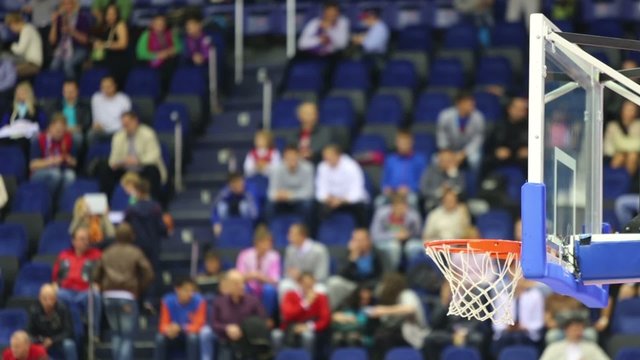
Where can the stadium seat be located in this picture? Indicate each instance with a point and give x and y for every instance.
(48, 84)
(55, 238)
(337, 111)
(189, 80)
(368, 143)
(79, 188)
(90, 80)
(258, 185)
(519, 352)
(626, 317)
(415, 38)
(505, 35)
(279, 226)
(143, 82)
(351, 353)
(489, 105)
(399, 73)
(460, 353)
(33, 198)
(352, 79)
(494, 71)
(9, 267)
(336, 229)
(514, 180)
(293, 354)
(13, 162)
(162, 118)
(306, 76)
(495, 224)
(13, 241)
(425, 144)
(30, 278)
(119, 199)
(33, 225)
(606, 27)
(628, 354)
(428, 108)
(11, 320)
(284, 114)
(615, 182)
(236, 233)
(403, 353)
(446, 74)
(96, 152)
(461, 42)
(384, 109)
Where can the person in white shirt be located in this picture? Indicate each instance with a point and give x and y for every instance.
(574, 346)
(340, 185)
(107, 107)
(327, 34)
(375, 40)
(28, 49)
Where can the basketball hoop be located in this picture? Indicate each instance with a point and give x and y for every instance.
(483, 275)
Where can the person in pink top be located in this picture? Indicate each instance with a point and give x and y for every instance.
(260, 266)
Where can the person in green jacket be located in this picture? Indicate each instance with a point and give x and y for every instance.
(159, 46)
(98, 8)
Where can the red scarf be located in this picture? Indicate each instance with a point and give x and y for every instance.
(264, 156)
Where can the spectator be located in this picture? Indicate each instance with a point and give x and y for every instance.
(574, 346)
(183, 318)
(327, 34)
(53, 156)
(4, 196)
(129, 182)
(107, 107)
(111, 44)
(198, 44)
(450, 220)
(395, 229)
(135, 147)
(263, 157)
(28, 49)
(402, 170)
(564, 10)
(209, 279)
(363, 267)
(40, 11)
(23, 349)
(98, 7)
(50, 325)
(233, 313)
(159, 45)
(374, 41)
(122, 275)
(99, 226)
(69, 35)
(444, 175)
(461, 129)
(260, 266)
(233, 201)
(291, 186)
(621, 144)
(24, 107)
(518, 10)
(556, 308)
(303, 255)
(306, 316)
(72, 273)
(351, 326)
(311, 138)
(340, 185)
(508, 143)
(76, 111)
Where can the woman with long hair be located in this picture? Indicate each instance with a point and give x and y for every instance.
(110, 45)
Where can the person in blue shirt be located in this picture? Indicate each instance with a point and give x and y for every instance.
(233, 201)
(376, 38)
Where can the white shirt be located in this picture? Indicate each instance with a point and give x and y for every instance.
(107, 111)
(530, 316)
(344, 181)
(310, 38)
(376, 39)
(29, 45)
(250, 162)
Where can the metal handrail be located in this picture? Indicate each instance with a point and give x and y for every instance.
(239, 41)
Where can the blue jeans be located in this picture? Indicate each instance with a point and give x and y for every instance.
(66, 350)
(80, 300)
(122, 316)
(55, 178)
(69, 65)
(626, 208)
(197, 344)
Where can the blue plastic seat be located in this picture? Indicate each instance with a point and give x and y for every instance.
(143, 82)
(461, 37)
(514, 178)
(189, 81)
(284, 114)
(337, 110)
(119, 199)
(33, 197)
(429, 107)
(519, 352)
(352, 75)
(89, 83)
(48, 84)
(403, 353)
(350, 353)
(293, 354)
(79, 188)
(13, 241)
(607, 27)
(97, 151)
(162, 122)
(509, 35)
(236, 233)
(414, 38)
(13, 162)
(626, 317)
(30, 279)
(336, 229)
(460, 353)
(306, 76)
(628, 354)
(11, 320)
(367, 143)
(615, 182)
(279, 227)
(489, 105)
(426, 145)
(55, 238)
(384, 109)
(399, 73)
(447, 73)
(494, 71)
(495, 224)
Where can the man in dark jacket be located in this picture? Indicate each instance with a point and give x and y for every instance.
(75, 110)
(508, 144)
(50, 325)
(311, 138)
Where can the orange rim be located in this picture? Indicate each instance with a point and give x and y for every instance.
(498, 249)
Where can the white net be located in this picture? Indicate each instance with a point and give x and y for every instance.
(482, 283)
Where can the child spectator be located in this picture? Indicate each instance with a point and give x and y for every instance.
(69, 35)
(22, 348)
(351, 326)
(209, 279)
(402, 170)
(263, 157)
(233, 201)
(99, 226)
(50, 325)
(198, 44)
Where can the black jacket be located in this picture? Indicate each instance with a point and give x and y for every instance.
(57, 325)
(350, 270)
(83, 114)
(145, 216)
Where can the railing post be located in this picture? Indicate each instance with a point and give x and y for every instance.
(213, 80)
(267, 97)
(177, 150)
(239, 41)
(90, 321)
(291, 28)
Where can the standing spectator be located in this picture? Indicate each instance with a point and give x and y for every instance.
(50, 325)
(291, 186)
(107, 107)
(461, 129)
(40, 11)
(159, 45)
(99, 226)
(518, 10)
(69, 35)
(28, 49)
(71, 273)
(450, 220)
(53, 156)
(23, 349)
(305, 316)
(198, 44)
(327, 34)
(233, 201)
(574, 346)
(622, 139)
(76, 111)
(440, 177)
(98, 7)
(402, 170)
(111, 44)
(183, 318)
(24, 107)
(508, 143)
(303, 254)
(395, 229)
(340, 185)
(375, 40)
(122, 275)
(263, 157)
(260, 266)
(311, 138)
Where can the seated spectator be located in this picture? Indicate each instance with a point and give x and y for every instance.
(53, 156)
(375, 39)
(22, 348)
(260, 266)
(76, 111)
(99, 226)
(574, 346)
(4, 196)
(107, 107)
(209, 279)
(291, 186)
(461, 128)
(351, 326)
(111, 44)
(159, 46)
(306, 315)
(72, 273)
(395, 229)
(303, 254)
(233, 313)
(28, 49)
(555, 310)
(50, 325)
(183, 317)
(198, 43)
(363, 267)
(402, 170)
(69, 36)
(621, 144)
(327, 34)
(450, 220)
(508, 143)
(441, 176)
(98, 8)
(311, 138)
(122, 275)
(340, 185)
(263, 157)
(233, 201)
(25, 107)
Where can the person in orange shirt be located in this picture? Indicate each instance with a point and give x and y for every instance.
(183, 315)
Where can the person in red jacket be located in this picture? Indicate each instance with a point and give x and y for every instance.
(72, 272)
(305, 315)
(22, 349)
